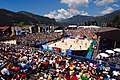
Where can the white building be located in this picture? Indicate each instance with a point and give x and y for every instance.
(91, 26)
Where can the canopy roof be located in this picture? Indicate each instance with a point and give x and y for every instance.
(73, 26)
(110, 33)
(58, 30)
(2, 29)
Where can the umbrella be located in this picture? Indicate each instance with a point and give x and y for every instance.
(116, 73)
(98, 56)
(104, 55)
(117, 49)
(109, 51)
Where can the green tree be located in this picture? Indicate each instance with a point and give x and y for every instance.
(21, 24)
(116, 21)
(85, 23)
(88, 23)
(15, 24)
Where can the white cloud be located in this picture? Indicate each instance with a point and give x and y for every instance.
(84, 13)
(62, 13)
(107, 11)
(51, 14)
(75, 3)
(115, 5)
(104, 2)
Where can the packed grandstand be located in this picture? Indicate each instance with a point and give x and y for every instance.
(39, 56)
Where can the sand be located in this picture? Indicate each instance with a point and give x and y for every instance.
(72, 44)
(9, 42)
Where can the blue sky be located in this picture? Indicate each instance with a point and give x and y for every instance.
(62, 8)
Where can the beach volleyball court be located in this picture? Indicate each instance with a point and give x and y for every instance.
(72, 44)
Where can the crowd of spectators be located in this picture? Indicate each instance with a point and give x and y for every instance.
(36, 38)
(88, 32)
(27, 63)
(111, 57)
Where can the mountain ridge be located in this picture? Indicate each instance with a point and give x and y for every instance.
(8, 18)
(99, 19)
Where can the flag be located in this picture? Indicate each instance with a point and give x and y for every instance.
(12, 29)
(38, 29)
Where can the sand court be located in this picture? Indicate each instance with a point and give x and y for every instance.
(9, 42)
(72, 44)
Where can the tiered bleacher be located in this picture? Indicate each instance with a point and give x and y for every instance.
(29, 63)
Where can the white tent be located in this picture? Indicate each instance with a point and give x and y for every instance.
(103, 54)
(117, 49)
(72, 26)
(57, 31)
(109, 51)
